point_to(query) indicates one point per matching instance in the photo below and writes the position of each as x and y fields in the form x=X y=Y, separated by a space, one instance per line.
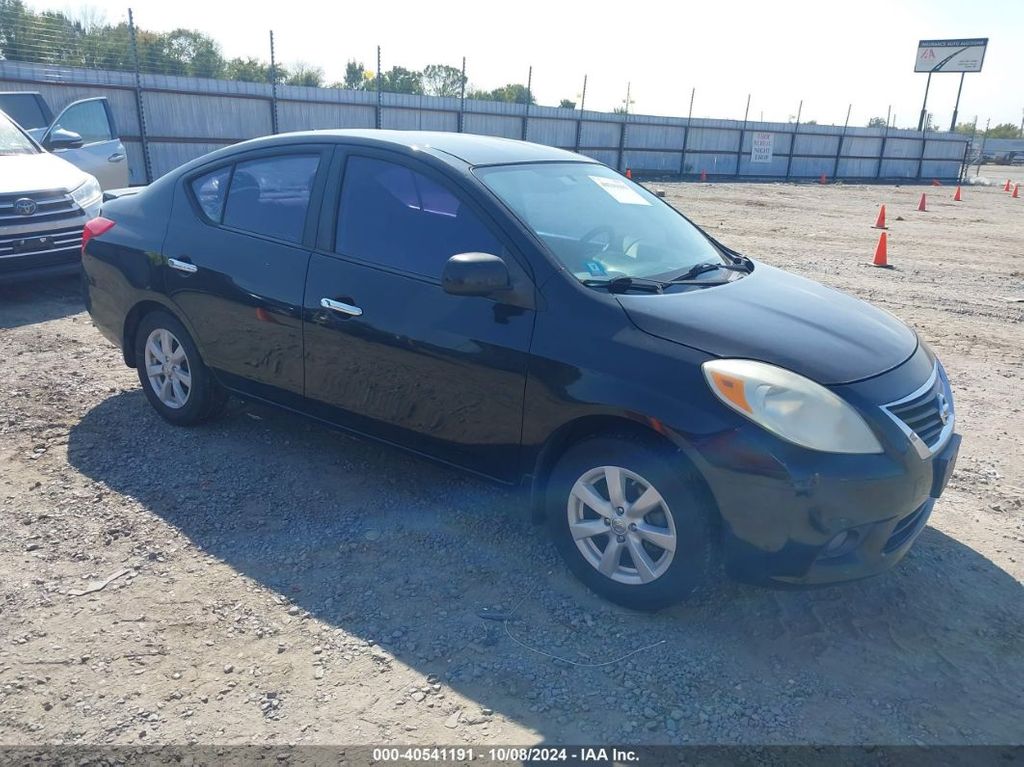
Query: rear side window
x=393 y=216
x=271 y=195
x=211 y=190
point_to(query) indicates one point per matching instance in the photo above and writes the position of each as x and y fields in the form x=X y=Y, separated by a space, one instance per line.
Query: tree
x=515 y=93
x=967 y=129
x=398 y=80
x=250 y=70
x=189 y=52
x=1003 y=130
x=304 y=74
x=443 y=80
x=567 y=104
x=877 y=122
x=355 y=76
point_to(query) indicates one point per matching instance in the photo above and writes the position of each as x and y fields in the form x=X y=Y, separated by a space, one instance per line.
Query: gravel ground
x=271 y=581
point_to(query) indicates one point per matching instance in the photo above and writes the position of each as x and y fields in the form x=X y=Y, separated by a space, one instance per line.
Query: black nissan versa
x=530 y=315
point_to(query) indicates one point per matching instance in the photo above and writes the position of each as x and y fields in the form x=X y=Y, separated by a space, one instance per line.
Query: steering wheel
x=599 y=230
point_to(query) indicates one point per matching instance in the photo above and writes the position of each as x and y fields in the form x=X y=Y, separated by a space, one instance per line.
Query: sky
x=828 y=54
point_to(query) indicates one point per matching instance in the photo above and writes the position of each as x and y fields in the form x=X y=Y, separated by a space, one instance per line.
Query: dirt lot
x=275 y=582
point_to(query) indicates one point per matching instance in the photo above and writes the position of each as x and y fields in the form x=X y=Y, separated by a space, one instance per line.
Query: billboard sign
x=761 y=147
x=963 y=55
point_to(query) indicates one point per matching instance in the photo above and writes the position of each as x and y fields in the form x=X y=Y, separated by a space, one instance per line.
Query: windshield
x=12 y=140
x=599 y=224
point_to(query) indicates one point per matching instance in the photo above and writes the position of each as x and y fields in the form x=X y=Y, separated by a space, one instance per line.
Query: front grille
x=51 y=205
x=923 y=412
x=28 y=250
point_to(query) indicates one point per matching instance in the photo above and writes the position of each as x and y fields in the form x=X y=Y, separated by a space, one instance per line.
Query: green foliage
x=876 y=122
x=567 y=104
x=250 y=70
x=442 y=80
x=355 y=76
x=304 y=74
x=1003 y=130
x=397 y=80
x=515 y=93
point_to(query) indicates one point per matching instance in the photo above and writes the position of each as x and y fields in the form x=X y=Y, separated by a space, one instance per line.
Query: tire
x=680 y=519
x=183 y=392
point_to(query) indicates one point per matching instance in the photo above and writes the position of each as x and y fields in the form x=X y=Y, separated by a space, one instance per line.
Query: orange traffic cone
x=956 y=195
x=822 y=179
x=923 y=205
x=629 y=173
x=880 y=221
x=1006 y=186
x=936 y=182
x=1016 y=190
x=881 y=252
x=703 y=175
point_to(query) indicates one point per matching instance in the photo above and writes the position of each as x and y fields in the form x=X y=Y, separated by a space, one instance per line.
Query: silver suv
x=44 y=203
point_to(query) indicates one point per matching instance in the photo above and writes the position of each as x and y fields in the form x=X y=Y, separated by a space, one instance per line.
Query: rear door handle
x=340 y=308
x=116 y=157
x=182 y=266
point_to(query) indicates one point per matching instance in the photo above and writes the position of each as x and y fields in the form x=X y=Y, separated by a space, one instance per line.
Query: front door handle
x=182 y=266
x=116 y=157
x=340 y=308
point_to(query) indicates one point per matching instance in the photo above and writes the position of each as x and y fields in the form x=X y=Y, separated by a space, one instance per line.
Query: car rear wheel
x=176 y=382
x=630 y=521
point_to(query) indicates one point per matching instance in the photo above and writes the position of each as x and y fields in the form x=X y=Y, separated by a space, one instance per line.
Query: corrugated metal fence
x=186 y=117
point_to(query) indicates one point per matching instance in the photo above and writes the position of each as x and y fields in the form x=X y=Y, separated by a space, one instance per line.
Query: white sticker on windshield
x=619 y=190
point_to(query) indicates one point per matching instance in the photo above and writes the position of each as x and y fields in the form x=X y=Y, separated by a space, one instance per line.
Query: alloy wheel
x=168 y=369
x=621 y=525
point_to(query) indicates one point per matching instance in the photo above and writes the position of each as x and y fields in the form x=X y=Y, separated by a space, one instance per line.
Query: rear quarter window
x=210 y=192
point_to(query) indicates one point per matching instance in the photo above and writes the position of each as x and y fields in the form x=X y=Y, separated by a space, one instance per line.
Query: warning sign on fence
x=761 y=147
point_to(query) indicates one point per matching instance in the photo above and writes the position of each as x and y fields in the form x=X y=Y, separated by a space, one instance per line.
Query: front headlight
x=790 y=406
x=88 y=193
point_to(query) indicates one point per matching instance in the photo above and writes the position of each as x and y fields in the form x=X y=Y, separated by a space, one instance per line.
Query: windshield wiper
x=625 y=284
x=710 y=266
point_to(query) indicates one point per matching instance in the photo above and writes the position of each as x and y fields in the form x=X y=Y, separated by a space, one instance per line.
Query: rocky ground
x=266 y=580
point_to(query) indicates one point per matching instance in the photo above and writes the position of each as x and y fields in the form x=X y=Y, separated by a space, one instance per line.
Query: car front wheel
x=630 y=521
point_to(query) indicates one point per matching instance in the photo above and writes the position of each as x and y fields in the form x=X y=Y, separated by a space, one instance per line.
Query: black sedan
x=530 y=315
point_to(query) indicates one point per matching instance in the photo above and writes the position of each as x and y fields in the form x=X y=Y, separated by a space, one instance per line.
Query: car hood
x=777 y=317
x=37 y=172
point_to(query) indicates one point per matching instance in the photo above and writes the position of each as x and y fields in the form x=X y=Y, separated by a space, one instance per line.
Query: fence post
x=622 y=132
x=462 y=98
x=529 y=96
x=686 y=135
x=579 y=122
x=842 y=139
x=792 y=139
x=378 y=119
x=273 y=85
x=140 y=107
x=920 y=157
x=743 y=130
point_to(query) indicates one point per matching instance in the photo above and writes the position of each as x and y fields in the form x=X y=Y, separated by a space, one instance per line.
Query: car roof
x=453 y=148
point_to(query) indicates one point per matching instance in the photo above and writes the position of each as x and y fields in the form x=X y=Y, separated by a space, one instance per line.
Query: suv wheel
x=176 y=382
x=630 y=522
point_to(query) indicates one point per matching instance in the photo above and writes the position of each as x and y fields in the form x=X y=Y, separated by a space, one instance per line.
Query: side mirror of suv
x=60 y=138
x=475 y=274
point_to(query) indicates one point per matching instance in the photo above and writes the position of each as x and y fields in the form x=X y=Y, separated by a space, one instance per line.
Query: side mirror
x=60 y=138
x=475 y=274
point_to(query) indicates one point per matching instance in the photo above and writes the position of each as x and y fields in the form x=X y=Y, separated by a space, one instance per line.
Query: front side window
x=211 y=190
x=271 y=195
x=88 y=119
x=391 y=215
x=12 y=140
x=597 y=223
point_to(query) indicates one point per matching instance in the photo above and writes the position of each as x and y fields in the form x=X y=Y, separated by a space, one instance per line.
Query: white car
x=44 y=203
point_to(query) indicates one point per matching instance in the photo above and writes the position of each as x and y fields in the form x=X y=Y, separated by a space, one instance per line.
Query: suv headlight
x=88 y=193
x=790 y=406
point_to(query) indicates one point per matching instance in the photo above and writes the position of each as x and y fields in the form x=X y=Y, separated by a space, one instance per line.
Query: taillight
x=93 y=228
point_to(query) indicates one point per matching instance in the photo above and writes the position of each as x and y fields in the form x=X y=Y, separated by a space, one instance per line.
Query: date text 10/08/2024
x=503 y=754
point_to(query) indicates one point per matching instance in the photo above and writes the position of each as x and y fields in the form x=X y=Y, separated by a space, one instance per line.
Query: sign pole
x=924 y=105
x=956 y=108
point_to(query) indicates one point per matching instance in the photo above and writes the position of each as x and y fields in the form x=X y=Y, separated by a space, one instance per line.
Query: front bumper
x=798 y=517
